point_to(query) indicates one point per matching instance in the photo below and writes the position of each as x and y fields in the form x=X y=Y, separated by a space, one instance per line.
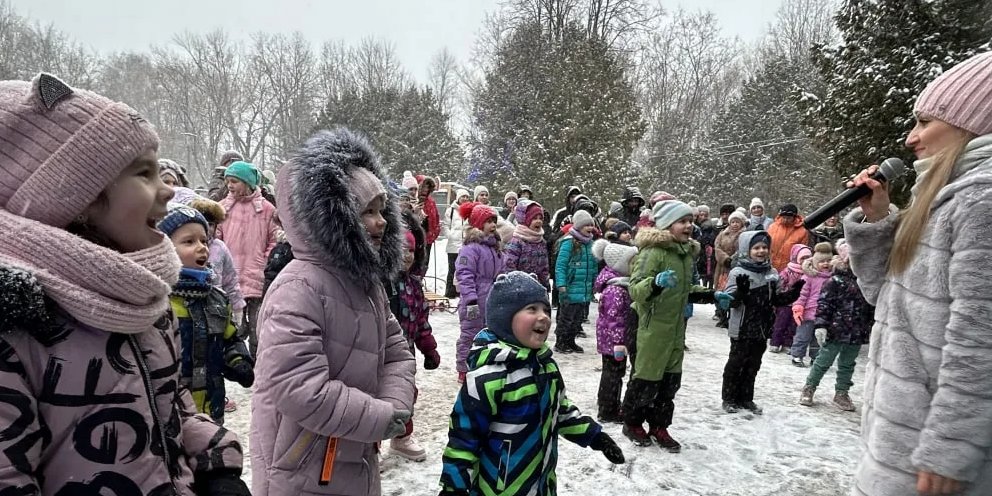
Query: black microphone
x=889 y=170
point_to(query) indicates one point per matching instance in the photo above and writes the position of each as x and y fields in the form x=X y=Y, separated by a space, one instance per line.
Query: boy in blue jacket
x=503 y=435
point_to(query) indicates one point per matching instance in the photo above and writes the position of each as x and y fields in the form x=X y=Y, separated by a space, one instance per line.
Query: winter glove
x=219 y=483
x=666 y=279
x=453 y=492
x=603 y=442
x=397 y=424
x=743 y=284
x=241 y=372
x=432 y=359
x=472 y=312
x=723 y=299
x=821 y=335
x=797 y=313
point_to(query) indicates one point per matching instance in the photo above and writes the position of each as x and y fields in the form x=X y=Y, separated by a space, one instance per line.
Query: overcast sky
x=417 y=28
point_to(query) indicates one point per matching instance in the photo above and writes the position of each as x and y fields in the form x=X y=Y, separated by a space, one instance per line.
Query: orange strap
x=328 y=468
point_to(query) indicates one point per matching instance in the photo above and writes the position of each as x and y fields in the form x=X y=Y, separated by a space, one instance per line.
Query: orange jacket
x=783 y=237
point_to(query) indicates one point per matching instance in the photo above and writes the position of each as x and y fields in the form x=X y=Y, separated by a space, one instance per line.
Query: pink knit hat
x=962 y=96
x=60 y=147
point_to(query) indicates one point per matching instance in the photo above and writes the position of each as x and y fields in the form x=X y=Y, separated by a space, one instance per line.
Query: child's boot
x=664 y=439
x=806 y=398
x=637 y=434
x=408 y=448
x=574 y=347
x=461 y=378
x=843 y=401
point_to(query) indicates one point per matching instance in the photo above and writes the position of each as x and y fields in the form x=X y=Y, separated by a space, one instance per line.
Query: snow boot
x=729 y=407
x=775 y=349
x=611 y=416
x=407 y=448
x=806 y=398
x=752 y=407
x=798 y=362
x=636 y=434
x=561 y=346
x=843 y=401
x=664 y=439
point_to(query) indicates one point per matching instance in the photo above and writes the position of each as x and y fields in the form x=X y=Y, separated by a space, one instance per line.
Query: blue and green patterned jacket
x=503 y=434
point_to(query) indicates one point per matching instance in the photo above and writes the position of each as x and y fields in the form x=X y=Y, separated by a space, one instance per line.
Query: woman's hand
x=931 y=484
x=875 y=205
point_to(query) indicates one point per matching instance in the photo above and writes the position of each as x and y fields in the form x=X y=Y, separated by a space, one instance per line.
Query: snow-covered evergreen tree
x=890 y=50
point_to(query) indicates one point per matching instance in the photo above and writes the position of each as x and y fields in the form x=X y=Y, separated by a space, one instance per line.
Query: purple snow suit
x=332 y=363
x=784 y=329
x=479 y=262
x=614 y=306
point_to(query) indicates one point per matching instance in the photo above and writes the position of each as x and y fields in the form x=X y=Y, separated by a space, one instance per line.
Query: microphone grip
x=833 y=207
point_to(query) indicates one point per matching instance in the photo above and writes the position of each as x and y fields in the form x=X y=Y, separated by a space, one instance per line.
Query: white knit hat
x=617 y=256
x=478 y=191
x=756 y=202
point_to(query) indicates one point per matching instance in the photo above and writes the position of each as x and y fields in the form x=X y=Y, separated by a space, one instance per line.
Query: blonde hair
x=914 y=218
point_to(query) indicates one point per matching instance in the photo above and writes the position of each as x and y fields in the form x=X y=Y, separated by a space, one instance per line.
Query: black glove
x=743 y=284
x=603 y=442
x=241 y=372
x=453 y=492
x=432 y=360
x=219 y=483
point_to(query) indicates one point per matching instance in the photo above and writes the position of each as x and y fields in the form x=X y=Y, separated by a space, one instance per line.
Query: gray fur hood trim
x=324 y=224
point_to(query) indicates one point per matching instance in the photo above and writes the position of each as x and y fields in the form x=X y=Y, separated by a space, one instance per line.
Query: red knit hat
x=476 y=213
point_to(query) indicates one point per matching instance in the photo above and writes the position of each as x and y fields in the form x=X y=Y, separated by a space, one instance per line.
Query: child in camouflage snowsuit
x=503 y=435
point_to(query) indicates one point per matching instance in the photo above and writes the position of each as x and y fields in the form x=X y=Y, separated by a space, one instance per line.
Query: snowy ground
x=790 y=450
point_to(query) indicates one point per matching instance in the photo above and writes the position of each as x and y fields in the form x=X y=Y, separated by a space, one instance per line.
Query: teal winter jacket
x=576 y=268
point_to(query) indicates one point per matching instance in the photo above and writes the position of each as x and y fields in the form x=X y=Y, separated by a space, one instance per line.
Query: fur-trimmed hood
x=473 y=235
x=23 y=304
x=652 y=237
x=323 y=223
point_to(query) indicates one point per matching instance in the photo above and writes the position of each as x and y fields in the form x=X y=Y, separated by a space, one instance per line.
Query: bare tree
x=443 y=78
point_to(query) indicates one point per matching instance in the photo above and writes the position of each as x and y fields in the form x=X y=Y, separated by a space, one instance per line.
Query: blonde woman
x=927 y=426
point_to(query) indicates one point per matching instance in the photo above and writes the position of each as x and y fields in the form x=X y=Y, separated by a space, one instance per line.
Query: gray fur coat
x=928 y=388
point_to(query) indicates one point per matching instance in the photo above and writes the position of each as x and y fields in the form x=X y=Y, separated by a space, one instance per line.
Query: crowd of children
x=330 y=349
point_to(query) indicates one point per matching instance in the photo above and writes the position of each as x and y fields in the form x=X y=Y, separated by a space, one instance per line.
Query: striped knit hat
x=962 y=96
x=62 y=147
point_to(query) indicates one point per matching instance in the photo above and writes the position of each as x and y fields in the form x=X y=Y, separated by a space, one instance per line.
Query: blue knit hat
x=246 y=172
x=179 y=215
x=510 y=293
x=668 y=212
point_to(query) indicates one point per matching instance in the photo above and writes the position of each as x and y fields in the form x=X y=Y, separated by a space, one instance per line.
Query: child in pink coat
x=817 y=272
x=784 y=329
x=250 y=232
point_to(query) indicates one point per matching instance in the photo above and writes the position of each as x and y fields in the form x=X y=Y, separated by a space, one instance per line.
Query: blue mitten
x=723 y=299
x=666 y=279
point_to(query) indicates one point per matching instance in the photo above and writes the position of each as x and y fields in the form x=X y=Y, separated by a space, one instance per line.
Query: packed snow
x=789 y=450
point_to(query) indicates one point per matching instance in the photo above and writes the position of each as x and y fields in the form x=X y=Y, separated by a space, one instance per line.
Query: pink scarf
x=116 y=292
x=527 y=234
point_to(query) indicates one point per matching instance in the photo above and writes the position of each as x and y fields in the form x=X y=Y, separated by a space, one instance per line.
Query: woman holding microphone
x=927 y=422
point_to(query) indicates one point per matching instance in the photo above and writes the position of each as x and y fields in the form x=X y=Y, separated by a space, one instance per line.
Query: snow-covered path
x=790 y=450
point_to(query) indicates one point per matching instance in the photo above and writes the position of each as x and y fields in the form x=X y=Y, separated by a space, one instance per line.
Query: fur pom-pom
x=213 y=211
x=465 y=209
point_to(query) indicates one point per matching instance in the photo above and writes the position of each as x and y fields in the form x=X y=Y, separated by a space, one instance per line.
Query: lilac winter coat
x=332 y=361
x=225 y=275
x=614 y=306
x=810 y=294
x=85 y=411
x=479 y=262
x=529 y=257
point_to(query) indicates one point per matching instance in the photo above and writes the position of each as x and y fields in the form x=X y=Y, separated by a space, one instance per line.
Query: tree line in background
x=600 y=93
